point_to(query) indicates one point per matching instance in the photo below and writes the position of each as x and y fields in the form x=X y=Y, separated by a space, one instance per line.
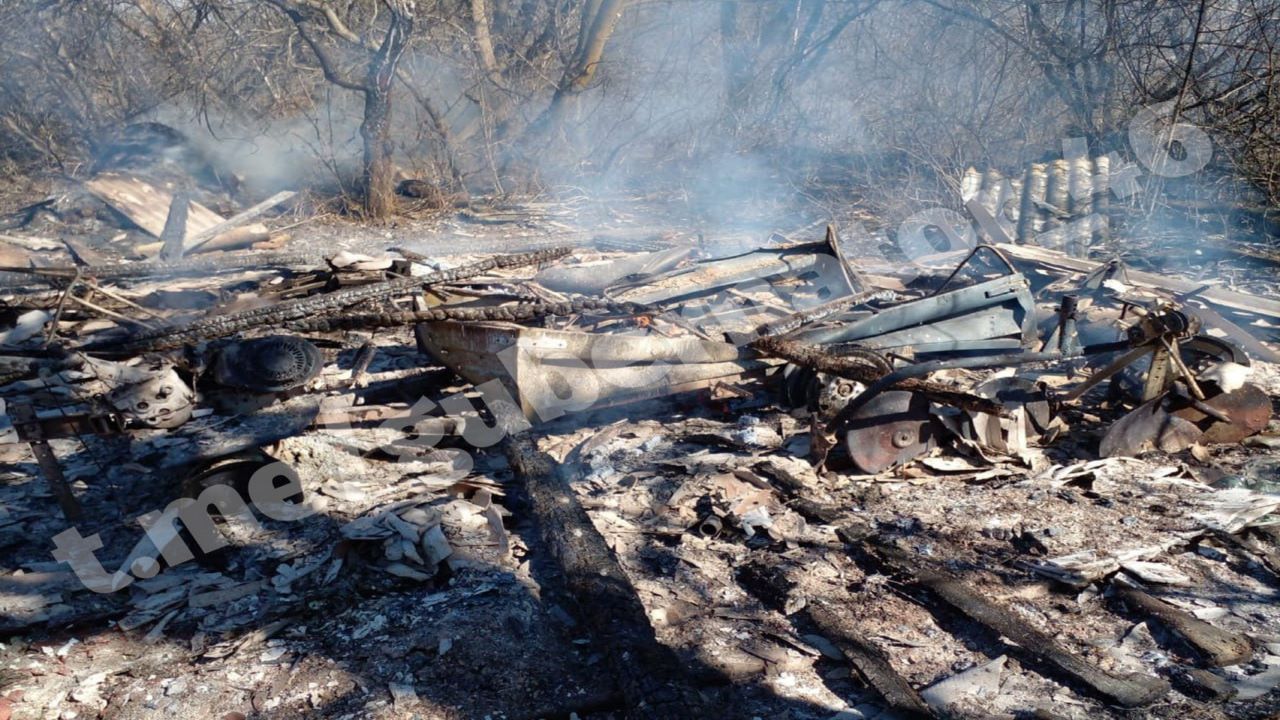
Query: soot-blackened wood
x=1262 y=552
x=870 y=662
x=1201 y=684
x=1129 y=691
x=1218 y=647
x=649 y=674
x=769 y=578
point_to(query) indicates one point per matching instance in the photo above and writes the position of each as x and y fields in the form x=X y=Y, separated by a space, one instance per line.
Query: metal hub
x=904 y=438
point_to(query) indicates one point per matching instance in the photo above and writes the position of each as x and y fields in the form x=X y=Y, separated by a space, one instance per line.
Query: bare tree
x=506 y=93
x=375 y=70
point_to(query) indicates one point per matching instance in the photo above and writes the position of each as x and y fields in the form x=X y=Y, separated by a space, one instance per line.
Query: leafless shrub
x=513 y=96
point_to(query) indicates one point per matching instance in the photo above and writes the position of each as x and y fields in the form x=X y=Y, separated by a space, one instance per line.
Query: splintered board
x=146 y=205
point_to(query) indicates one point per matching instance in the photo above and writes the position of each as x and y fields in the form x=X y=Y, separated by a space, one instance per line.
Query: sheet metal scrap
x=550 y=372
x=885 y=424
x=818 y=268
x=595 y=278
x=997 y=314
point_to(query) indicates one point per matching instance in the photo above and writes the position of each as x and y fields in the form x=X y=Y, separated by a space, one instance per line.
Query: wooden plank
x=1218 y=296
x=175 y=227
x=194 y=242
x=147 y=206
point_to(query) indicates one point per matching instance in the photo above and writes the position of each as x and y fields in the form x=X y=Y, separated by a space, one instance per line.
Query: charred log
x=649 y=674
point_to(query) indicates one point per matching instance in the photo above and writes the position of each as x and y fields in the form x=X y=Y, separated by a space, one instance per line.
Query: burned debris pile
x=779 y=483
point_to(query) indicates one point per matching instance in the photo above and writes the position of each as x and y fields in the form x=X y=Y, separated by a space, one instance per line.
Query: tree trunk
x=379 y=171
x=579 y=73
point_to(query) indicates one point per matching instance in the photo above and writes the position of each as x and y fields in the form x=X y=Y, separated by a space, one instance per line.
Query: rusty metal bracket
x=25 y=418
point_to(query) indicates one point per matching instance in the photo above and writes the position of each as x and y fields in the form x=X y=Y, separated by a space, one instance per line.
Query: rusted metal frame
x=1175 y=356
x=912 y=320
x=900 y=377
x=29 y=429
x=1112 y=368
x=864 y=372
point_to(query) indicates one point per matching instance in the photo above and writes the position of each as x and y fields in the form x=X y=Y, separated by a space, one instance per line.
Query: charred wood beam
x=649 y=674
x=870 y=662
x=1263 y=553
x=1201 y=684
x=1130 y=691
x=860 y=370
x=1218 y=647
x=280 y=313
x=150 y=270
x=509 y=313
x=768 y=578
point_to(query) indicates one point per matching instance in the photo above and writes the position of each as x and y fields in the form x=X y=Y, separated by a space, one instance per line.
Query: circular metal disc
x=893 y=428
x=1249 y=408
x=1015 y=392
